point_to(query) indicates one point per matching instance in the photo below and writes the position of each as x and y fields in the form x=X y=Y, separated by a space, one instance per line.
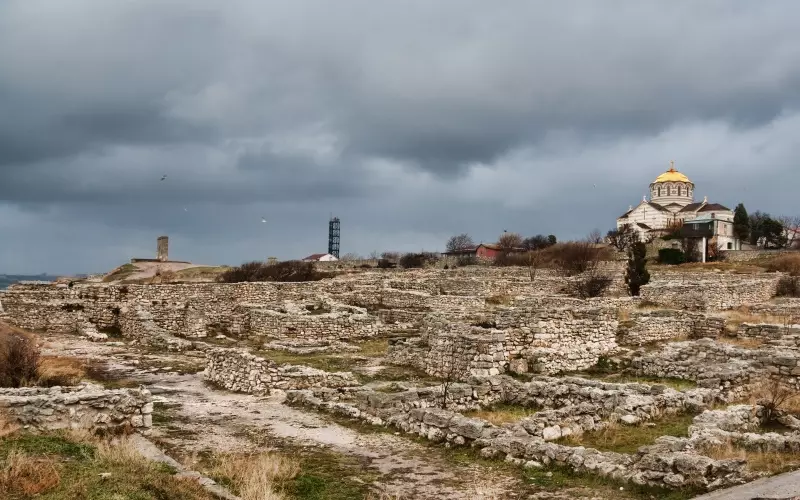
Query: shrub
x=636 y=273
x=788 y=286
x=386 y=264
x=671 y=256
x=417 y=260
x=288 y=271
x=789 y=263
x=56 y=370
x=772 y=395
x=466 y=260
x=19 y=360
x=577 y=257
x=508 y=259
x=589 y=286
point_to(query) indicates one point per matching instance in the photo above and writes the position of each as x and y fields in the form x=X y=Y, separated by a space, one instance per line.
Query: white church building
x=671 y=204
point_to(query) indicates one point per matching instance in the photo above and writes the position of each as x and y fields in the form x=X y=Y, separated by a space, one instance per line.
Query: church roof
x=691 y=207
x=671 y=175
x=712 y=207
x=658 y=207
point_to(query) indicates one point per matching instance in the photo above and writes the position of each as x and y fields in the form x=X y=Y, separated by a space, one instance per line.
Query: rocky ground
x=193 y=420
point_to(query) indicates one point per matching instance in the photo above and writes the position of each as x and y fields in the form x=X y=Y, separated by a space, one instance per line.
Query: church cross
x=672 y=164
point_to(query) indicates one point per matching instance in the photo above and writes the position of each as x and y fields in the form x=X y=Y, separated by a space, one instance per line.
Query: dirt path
x=193 y=419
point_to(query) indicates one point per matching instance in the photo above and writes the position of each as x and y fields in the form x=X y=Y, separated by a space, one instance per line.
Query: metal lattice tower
x=333 y=237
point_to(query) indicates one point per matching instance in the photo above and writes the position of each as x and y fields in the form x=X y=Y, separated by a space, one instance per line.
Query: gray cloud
x=413 y=119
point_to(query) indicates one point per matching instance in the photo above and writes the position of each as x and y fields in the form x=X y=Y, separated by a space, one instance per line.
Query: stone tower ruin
x=162 y=252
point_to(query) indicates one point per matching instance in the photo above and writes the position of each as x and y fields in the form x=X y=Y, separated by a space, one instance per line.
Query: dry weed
x=623 y=315
x=775 y=396
x=757 y=461
x=499 y=300
x=257 y=477
x=501 y=414
x=744 y=342
x=59 y=370
x=7 y=427
x=22 y=474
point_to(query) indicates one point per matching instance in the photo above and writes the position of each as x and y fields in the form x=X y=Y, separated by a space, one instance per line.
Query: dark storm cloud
x=414 y=119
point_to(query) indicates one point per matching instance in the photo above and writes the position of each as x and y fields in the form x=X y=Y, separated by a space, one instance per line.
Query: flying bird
x=184 y=209
x=263 y=220
x=163 y=177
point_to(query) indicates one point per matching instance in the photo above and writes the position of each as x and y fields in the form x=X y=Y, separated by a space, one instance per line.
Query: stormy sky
x=411 y=120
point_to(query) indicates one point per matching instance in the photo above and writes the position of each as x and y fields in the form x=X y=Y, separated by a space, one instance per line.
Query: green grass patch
x=621 y=378
x=622 y=438
x=57 y=443
x=57 y=466
x=502 y=413
x=120 y=273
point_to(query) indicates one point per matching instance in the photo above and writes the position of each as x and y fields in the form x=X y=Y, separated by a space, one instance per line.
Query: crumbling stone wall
x=455 y=352
x=669 y=462
x=709 y=291
x=717 y=365
x=86 y=406
x=660 y=325
x=567 y=338
x=239 y=371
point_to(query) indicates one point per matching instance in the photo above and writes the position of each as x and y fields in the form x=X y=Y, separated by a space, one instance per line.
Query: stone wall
x=86 y=406
x=751 y=255
x=239 y=371
x=718 y=365
x=710 y=291
x=649 y=326
x=669 y=462
x=570 y=337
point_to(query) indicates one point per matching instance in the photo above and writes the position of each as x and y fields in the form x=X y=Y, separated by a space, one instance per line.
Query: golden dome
x=672 y=175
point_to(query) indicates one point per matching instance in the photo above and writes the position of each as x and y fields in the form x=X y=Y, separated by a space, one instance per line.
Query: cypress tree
x=741 y=223
x=636 y=274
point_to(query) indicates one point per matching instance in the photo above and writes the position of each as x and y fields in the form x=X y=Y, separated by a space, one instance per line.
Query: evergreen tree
x=552 y=239
x=741 y=223
x=636 y=274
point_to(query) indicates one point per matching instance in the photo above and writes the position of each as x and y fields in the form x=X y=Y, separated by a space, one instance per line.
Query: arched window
x=680 y=191
x=659 y=190
x=669 y=190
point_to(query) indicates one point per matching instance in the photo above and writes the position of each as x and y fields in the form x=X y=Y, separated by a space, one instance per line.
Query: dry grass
x=743 y=342
x=6 y=426
x=121 y=273
x=629 y=438
x=257 y=477
x=25 y=475
x=735 y=318
x=501 y=414
x=60 y=370
x=772 y=392
x=499 y=300
x=788 y=263
x=623 y=315
x=757 y=461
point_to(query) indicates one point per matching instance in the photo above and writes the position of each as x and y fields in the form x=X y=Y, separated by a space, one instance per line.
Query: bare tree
x=350 y=256
x=535 y=260
x=451 y=366
x=622 y=238
x=458 y=242
x=595 y=237
x=509 y=241
x=791 y=228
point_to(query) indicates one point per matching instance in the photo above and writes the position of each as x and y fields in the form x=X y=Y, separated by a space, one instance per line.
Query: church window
x=669 y=190
x=659 y=191
x=680 y=191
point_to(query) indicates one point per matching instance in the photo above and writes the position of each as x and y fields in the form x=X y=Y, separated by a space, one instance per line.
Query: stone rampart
x=86 y=406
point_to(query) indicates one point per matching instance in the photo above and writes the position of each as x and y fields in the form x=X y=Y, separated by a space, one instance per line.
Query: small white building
x=672 y=204
x=320 y=257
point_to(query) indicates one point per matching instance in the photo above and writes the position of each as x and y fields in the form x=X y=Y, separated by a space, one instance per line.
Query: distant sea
x=8 y=279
